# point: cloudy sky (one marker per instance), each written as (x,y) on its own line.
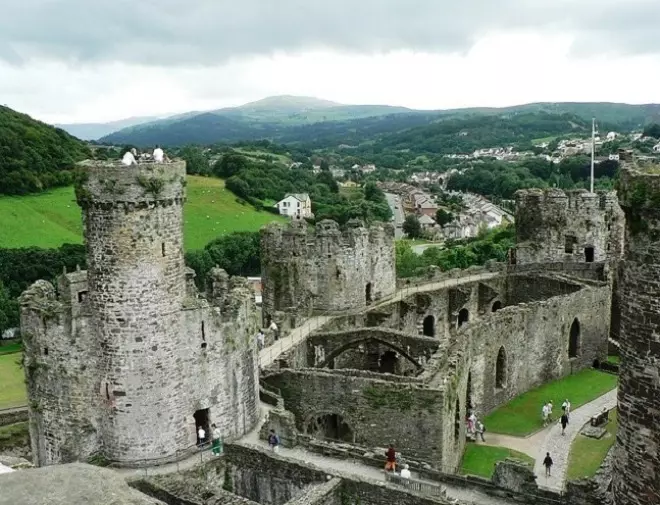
(102,60)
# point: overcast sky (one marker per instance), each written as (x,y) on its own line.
(102,60)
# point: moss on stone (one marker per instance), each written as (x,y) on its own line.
(397,400)
(152,185)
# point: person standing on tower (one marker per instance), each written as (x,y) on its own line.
(158,155)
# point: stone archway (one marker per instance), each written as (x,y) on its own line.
(428,326)
(501,369)
(463,317)
(496,306)
(330,426)
(574,339)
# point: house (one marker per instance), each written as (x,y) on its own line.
(296,205)
(614,157)
(611,136)
(656,148)
(426,222)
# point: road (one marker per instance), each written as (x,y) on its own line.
(394,202)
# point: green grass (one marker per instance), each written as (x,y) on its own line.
(522,415)
(587,454)
(14,435)
(52,219)
(12,385)
(11,347)
(480,459)
(614,360)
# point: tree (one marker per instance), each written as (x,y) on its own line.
(325,166)
(411,226)
(652,130)
(196,161)
(442,217)
(238,253)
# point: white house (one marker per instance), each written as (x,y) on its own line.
(656,148)
(614,157)
(611,136)
(296,205)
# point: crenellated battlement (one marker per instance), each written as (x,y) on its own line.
(111,183)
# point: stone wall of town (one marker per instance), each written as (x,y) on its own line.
(559,226)
(128,351)
(327,269)
(637,456)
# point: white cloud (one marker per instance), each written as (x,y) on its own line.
(498,70)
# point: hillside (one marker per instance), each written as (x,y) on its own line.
(93,131)
(35,156)
(325,124)
(53,218)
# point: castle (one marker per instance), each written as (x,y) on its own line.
(125,359)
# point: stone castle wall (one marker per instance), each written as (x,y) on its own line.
(134,346)
(562,226)
(327,269)
(637,452)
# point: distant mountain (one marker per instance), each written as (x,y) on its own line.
(93,131)
(321,122)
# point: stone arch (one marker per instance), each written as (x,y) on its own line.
(354,343)
(574,339)
(388,362)
(463,316)
(329,425)
(496,306)
(428,326)
(501,369)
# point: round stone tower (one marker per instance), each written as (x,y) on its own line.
(133,226)
(637,457)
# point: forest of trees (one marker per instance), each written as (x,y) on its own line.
(35,156)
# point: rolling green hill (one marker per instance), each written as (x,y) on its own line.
(53,218)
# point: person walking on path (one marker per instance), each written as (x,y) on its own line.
(547,463)
(480,430)
(544,414)
(472,423)
(261,339)
(405,472)
(274,441)
(564,422)
(215,436)
(390,464)
(566,407)
(201,436)
(273,328)
(550,412)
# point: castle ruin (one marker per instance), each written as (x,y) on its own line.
(124,360)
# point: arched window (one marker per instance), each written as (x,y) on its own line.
(367,292)
(500,369)
(429,326)
(497,306)
(457,421)
(463,317)
(574,339)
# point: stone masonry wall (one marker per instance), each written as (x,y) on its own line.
(637,456)
(554,225)
(325,270)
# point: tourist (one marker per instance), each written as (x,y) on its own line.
(129,157)
(566,407)
(215,436)
(472,423)
(547,463)
(480,430)
(261,339)
(564,422)
(201,436)
(273,328)
(549,411)
(405,472)
(390,464)
(544,414)
(274,441)
(158,155)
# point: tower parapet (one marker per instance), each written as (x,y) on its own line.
(637,460)
(567,226)
(327,268)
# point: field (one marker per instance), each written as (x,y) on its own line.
(12,386)
(52,219)
(587,454)
(480,459)
(522,415)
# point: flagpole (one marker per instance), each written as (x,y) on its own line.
(593,150)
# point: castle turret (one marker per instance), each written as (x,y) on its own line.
(637,457)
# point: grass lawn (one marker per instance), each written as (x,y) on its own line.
(480,459)
(522,415)
(12,385)
(14,435)
(53,218)
(10,348)
(587,454)
(614,360)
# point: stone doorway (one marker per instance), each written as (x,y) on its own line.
(202,418)
(428,326)
(589,254)
(367,293)
(330,427)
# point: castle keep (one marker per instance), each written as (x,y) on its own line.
(123,361)
(327,269)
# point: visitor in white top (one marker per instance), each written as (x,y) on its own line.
(201,435)
(159,155)
(129,157)
(273,328)
(405,472)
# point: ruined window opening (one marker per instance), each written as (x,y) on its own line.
(463,317)
(569,242)
(338,273)
(330,426)
(367,292)
(202,419)
(388,362)
(574,339)
(589,254)
(204,345)
(162,248)
(45,351)
(428,326)
(500,369)
(203,332)
(468,393)
(457,420)
(107,391)
(82,296)
(496,306)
